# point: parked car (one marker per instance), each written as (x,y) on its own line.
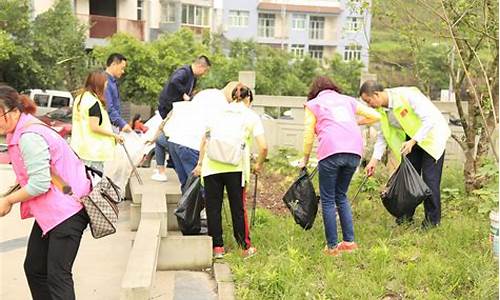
(59,120)
(50,100)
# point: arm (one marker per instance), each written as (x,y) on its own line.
(179,81)
(417,103)
(203,143)
(113,110)
(36,156)
(261,143)
(94,126)
(370,115)
(309,125)
(378,152)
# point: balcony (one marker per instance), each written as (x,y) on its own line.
(101,27)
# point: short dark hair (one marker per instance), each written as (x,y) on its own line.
(115,57)
(320,84)
(370,87)
(203,59)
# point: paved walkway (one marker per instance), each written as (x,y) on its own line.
(99,266)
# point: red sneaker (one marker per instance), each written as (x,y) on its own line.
(219,252)
(347,246)
(251,251)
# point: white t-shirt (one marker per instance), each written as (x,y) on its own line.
(188,121)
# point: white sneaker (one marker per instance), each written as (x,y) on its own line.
(159,177)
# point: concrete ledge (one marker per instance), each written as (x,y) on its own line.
(154,207)
(141,267)
(178,252)
(135,216)
(172,218)
(225,283)
(172,186)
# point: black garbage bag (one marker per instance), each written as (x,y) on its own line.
(302,201)
(405,190)
(189,207)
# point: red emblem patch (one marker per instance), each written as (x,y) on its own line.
(403,113)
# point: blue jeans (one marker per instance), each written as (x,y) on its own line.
(185,160)
(335,174)
(161,149)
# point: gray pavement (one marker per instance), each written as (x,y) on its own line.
(99,266)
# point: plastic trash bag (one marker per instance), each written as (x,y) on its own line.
(119,169)
(302,201)
(189,207)
(405,190)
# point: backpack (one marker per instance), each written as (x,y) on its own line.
(226,137)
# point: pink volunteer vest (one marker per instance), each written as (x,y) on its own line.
(336,126)
(53,207)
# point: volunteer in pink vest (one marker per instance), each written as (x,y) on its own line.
(39,155)
(331,116)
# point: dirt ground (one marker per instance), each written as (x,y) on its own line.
(270,189)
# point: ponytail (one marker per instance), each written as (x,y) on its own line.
(29,106)
(241,92)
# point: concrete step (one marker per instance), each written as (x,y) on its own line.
(180,285)
(170,188)
(178,252)
(135,217)
(141,266)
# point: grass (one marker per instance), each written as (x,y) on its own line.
(453,261)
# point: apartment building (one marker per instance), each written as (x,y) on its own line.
(139,18)
(315,28)
(318,28)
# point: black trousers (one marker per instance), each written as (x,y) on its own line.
(431,171)
(49,259)
(214,193)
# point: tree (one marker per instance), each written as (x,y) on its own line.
(59,47)
(17,66)
(471,28)
(346,74)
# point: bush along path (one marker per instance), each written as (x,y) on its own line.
(453,261)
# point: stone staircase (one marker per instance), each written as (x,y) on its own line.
(164,264)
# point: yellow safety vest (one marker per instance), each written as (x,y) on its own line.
(86,143)
(435,141)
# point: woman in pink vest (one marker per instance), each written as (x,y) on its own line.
(43,162)
(331,116)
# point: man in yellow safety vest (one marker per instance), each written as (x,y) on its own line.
(410,125)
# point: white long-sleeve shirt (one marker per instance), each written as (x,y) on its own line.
(420,105)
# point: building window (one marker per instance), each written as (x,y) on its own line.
(317,28)
(297,51)
(238,18)
(195,15)
(299,22)
(169,12)
(140,9)
(316,52)
(352,52)
(353,24)
(266,25)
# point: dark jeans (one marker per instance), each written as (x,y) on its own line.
(335,174)
(161,149)
(214,192)
(185,160)
(431,171)
(49,259)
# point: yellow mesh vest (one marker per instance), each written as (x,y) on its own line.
(86,143)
